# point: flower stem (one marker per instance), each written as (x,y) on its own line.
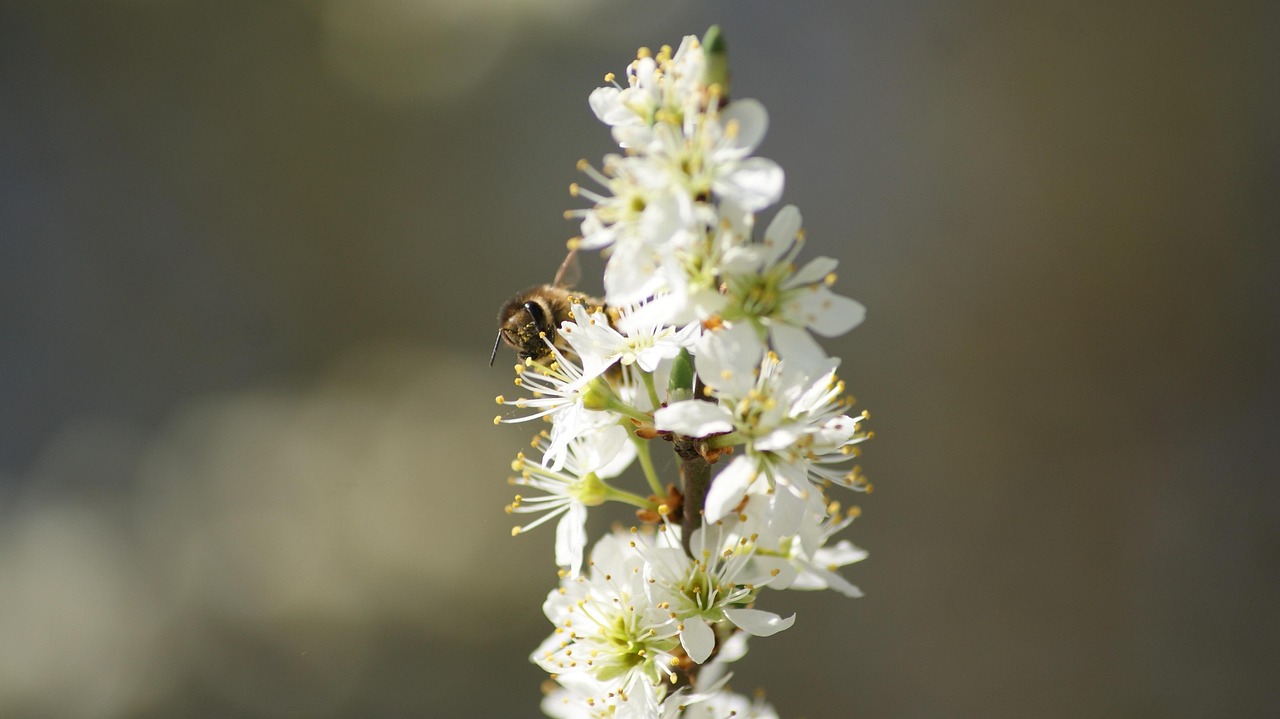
(720,441)
(653,391)
(695,477)
(646,463)
(635,500)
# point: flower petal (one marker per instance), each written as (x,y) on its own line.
(796,346)
(755,183)
(829,314)
(752,121)
(815,271)
(694,418)
(571,538)
(759,623)
(728,488)
(697,639)
(782,232)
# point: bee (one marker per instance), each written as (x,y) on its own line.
(536,313)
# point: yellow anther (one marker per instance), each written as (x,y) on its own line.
(497,420)
(830,279)
(515,531)
(609,77)
(500,400)
(574,189)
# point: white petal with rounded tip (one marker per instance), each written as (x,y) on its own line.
(755,183)
(697,639)
(759,623)
(728,487)
(795,346)
(753,122)
(607,105)
(782,232)
(829,314)
(693,418)
(728,358)
(815,271)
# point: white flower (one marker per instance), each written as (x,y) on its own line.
(610,644)
(803,561)
(713,587)
(568,396)
(644,343)
(669,84)
(569,491)
(767,291)
(788,419)
(641,205)
(710,154)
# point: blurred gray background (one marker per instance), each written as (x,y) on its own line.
(251,253)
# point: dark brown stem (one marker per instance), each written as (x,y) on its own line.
(695,476)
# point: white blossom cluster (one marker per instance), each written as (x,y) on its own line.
(704,342)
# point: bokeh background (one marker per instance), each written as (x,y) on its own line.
(250,255)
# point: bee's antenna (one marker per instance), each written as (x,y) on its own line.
(497,341)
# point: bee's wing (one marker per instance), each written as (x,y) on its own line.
(570,270)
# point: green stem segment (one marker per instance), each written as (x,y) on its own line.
(653,391)
(720,441)
(635,500)
(646,463)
